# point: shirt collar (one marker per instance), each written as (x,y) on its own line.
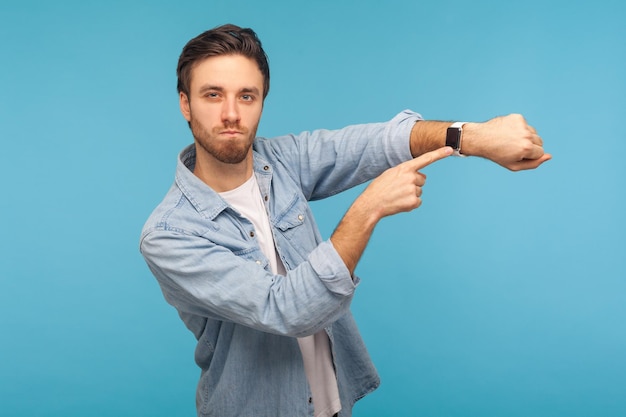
(203,198)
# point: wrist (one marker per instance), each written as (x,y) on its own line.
(469,145)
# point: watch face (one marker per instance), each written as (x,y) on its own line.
(453,136)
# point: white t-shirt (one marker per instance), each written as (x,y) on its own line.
(315,349)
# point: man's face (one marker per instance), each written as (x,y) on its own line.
(224,106)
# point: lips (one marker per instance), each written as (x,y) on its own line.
(231,134)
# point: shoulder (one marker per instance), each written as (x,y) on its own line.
(167,213)
(177,215)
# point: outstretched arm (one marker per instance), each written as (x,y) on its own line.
(507,140)
(396,190)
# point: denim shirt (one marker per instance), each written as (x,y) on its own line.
(206,259)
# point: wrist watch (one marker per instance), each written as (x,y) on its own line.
(454,135)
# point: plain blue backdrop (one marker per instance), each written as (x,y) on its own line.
(503,295)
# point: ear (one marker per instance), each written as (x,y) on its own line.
(185,109)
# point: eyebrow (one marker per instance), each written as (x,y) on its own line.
(252,90)
(209,87)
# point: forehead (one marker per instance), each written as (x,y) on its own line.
(226,71)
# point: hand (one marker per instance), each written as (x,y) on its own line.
(507,140)
(396,190)
(399,189)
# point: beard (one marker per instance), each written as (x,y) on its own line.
(228,151)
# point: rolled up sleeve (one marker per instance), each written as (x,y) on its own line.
(331,270)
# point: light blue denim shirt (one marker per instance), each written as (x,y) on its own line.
(210,268)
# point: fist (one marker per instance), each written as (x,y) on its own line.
(507,140)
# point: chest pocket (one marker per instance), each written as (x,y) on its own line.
(294,215)
(295,230)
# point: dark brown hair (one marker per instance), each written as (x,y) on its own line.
(223,40)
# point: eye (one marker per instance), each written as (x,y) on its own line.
(247,97)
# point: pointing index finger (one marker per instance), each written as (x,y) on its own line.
(429,157)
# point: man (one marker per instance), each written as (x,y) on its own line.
(235,248)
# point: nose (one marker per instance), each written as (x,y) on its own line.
(230,111)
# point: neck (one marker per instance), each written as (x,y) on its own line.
(221,176)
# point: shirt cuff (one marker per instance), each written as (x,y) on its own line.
(331,270)
(397,137)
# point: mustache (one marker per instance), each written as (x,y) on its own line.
(231,126)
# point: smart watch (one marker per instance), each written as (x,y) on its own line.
(454,135)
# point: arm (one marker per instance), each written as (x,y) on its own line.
(508,141)
(327,162)
(396,190)
(202,278)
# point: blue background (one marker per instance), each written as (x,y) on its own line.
(503,295)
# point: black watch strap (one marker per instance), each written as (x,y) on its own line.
(454,136)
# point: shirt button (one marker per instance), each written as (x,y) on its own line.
(258,262)
(252,234)
(266,198)
(300,217)
(266,168)
(310,400)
